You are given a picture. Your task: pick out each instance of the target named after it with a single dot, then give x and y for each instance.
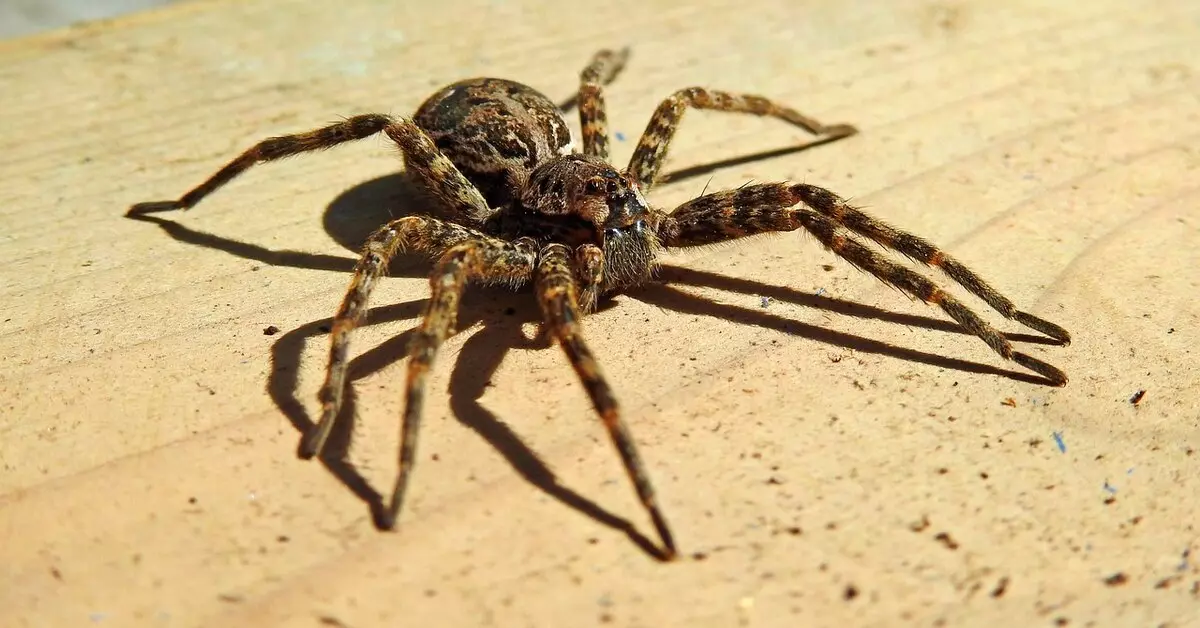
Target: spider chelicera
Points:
(524, 206)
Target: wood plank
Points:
(827, 451)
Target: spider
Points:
(525, 206)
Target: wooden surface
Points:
(834, 454)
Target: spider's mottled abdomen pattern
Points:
(522, 205)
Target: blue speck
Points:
(1058, 440)
(1130, 471)
(620, 136)
(1110, 488)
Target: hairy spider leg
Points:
(479, 258)
(420, 155)
(593, 117)
(555, 283)
(411, 233)
(651, 149)
(762, 208)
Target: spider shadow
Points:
(674, 299)
(481, 356)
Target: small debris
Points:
(827, 267)
(919, 526)
(330, 620)
(1058, 440)
(945, 539)
(270, 330)
(1137, 396)
(1001, 587)
(1116, 579)
(819, 292)
(1009, 401)
(850, 593)
(1112, 490)
(620, 136)
(765, 302)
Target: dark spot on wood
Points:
(1137, 397)
(850, 593)
(945, 539)
(270, 330)
(1001, 587)
(1116, 579)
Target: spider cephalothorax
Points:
(524, 206)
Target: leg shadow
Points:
(478, 361)
(680, 301)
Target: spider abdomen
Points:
(494, 131)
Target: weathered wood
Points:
(834, 438)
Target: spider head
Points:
(590, 202)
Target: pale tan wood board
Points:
(842, 456)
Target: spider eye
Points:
(594, 186)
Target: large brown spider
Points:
(525, 206)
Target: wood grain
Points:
(832, 455)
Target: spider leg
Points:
(557, 295)
(651, 149)
(413, 233)
(763, 208)
(477, 257)
(589, 264)
(593, 118)
(914, 247)
(420, 155)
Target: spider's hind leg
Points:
(651, 149)
(593, 117)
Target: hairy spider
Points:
(525, 206)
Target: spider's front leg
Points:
(468, 255)
(593, 118)
(755, 209)
(556, 290)
(651, 149)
